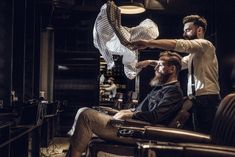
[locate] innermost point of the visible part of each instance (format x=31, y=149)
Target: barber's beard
x=191, y=37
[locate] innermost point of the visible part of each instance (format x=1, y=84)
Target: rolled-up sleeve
x=192, y=46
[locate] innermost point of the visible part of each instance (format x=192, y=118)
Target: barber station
x=117, y=78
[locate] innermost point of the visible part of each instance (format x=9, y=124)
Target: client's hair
x=172, y=58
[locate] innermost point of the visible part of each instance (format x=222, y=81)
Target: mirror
x=115, y=87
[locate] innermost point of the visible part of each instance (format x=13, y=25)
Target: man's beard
x=159, y=79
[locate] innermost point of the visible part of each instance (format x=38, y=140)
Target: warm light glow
x=131, y=9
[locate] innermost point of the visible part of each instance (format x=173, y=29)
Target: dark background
x=68, y=24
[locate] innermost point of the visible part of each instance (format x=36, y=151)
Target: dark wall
x=26, y=46
x=6, y=36
x=225, y=33
x=19, y=49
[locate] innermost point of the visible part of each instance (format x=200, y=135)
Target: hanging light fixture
x=131, y=7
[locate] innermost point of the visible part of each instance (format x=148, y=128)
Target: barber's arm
x=179, y=45
x=193, y=46
x=166, y=44
x=145, y=63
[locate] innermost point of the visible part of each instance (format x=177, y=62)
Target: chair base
x=99, y=148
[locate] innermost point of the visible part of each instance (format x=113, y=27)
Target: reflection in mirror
x=114, y=85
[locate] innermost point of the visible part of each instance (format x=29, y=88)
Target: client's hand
x=123, y=114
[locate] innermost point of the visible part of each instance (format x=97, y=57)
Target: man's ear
x=173, y=69
x=200, y=30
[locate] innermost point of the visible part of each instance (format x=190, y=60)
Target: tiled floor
x=57, y=148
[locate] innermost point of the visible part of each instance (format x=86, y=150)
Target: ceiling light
x=131, y=8
x=155, y=4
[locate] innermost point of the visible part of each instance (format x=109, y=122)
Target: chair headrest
x=223, y=130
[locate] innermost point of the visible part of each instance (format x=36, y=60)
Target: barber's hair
x=172, y=58
x=197, y=21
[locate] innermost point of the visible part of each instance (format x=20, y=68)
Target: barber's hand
x=145, y=63
x=123, y=114
x=140, y=44
x=142, y=64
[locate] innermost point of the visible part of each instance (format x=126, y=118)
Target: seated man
x=159, y=107
x=110, y=90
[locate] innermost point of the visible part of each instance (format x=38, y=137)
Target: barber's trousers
x=206, y=106
x=91, y=122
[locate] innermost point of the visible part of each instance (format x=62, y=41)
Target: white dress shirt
x=205, y=64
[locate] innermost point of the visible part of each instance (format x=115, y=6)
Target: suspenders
x=193, y=80
x=194, y=114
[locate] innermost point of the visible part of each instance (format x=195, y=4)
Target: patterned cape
x=111, y=38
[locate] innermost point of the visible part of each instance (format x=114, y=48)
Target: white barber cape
x=105, y=39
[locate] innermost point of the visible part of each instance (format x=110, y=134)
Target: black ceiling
x=64, y=9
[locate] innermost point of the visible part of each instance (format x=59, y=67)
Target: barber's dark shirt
x=161, y=104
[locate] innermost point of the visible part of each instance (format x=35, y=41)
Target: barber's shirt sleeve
x=192, y=46
x=168, y=105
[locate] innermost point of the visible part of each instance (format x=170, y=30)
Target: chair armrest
x=177, y=135
x=164, y=134
x=210, y=146
x=186, y=149
x=129, y=123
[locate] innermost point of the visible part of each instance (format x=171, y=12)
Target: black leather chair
x=219, y=143
x=179, y=120
x=167, y=149
x=222, y=133
x=109, y=147
x=158, y=148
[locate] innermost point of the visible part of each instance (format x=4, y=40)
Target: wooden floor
x=57, y=148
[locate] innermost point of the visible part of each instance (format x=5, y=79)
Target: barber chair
x=223, y=133
x=158, y=149
x=167, y=149
x=101, y=148
x=98, y=146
